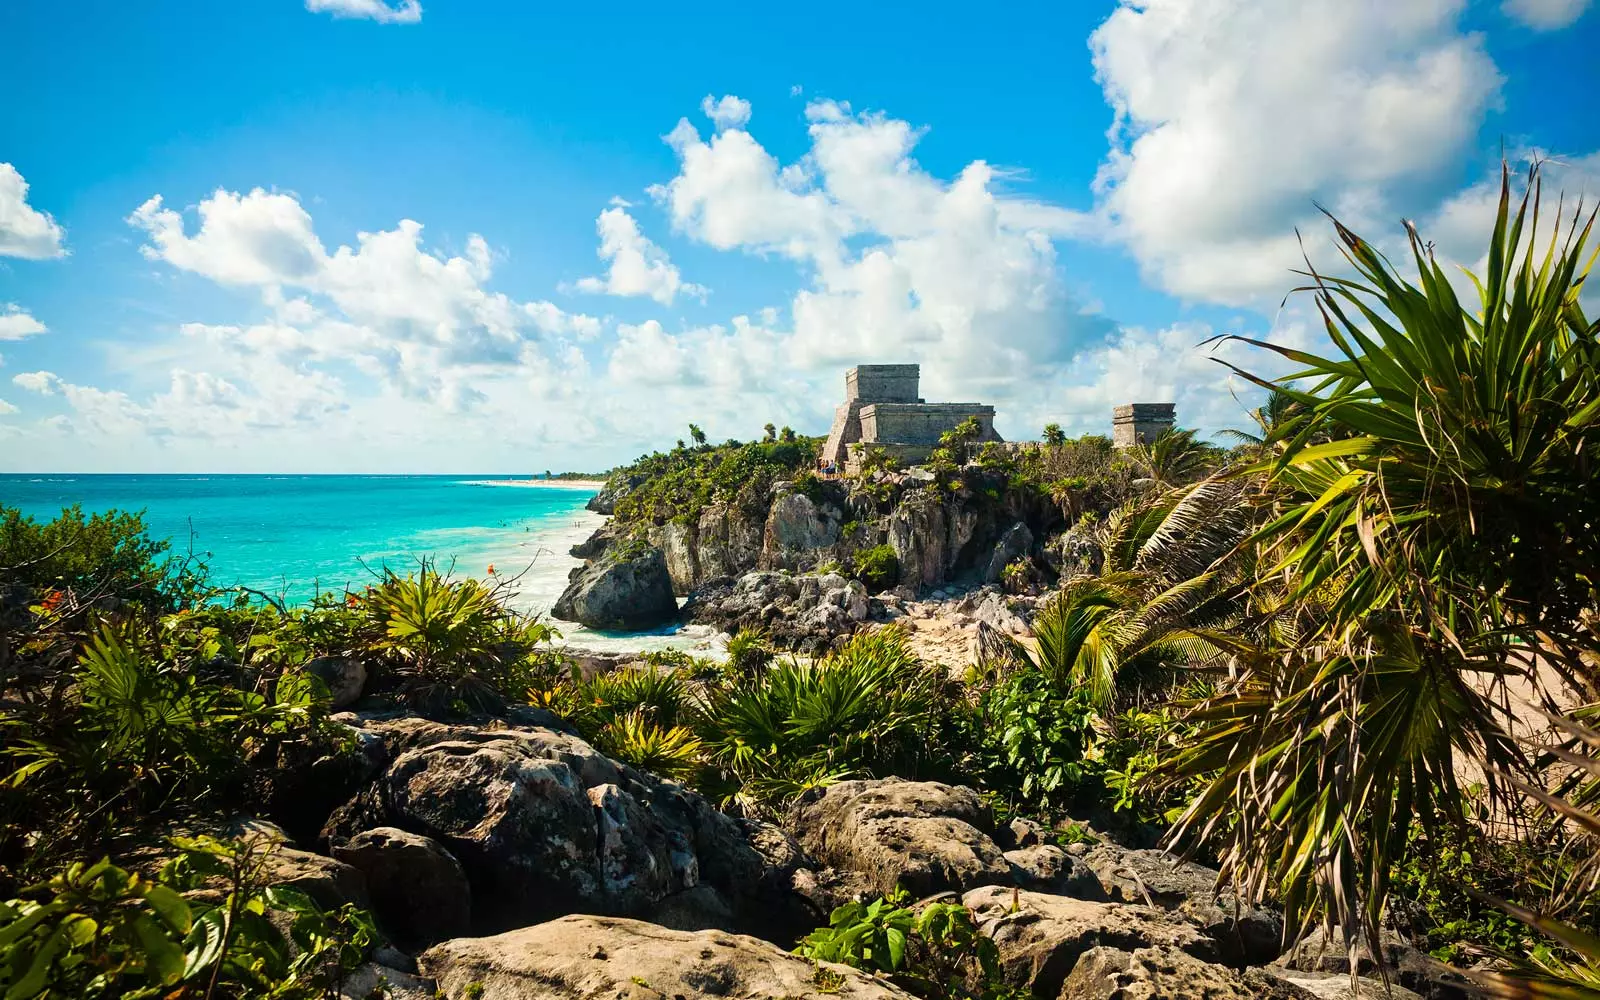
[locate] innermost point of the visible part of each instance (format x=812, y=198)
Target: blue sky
x=635, y=216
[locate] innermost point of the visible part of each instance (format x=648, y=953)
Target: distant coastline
x=571, y=484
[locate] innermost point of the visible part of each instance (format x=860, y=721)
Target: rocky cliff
x=937, y=534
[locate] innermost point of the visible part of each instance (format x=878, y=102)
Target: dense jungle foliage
x=677, y=484
x=1353, y=662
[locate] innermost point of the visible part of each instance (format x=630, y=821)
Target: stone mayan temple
x=881, y=408
x=1140, y=423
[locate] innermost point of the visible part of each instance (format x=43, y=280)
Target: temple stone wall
x=922, y=423
x=1140, y=423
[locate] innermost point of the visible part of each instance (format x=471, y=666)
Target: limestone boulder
x=543, y=825
x=588, y=958
x=419, y=890
x=728, y=543
x=1048, y=868
x=1166, y=973
x=1246, y=935
x=1014, y=543
x=1331, y=986
x=329, y=883
x=678, y=544
x=1323, y=952
x=920, y=533
x=605, y=501
x=810, y=612
x=1041, y=938
x=345, y=677
x=923, y=836
x=627, y=586
x=371, y=979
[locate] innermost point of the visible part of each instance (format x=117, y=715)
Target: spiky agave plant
x=1437, y=506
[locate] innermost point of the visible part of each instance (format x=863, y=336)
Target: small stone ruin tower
x=1141, y=423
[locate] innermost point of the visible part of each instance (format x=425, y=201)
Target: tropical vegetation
x=1353, y=662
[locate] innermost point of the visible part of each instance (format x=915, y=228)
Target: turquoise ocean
x=289, y=536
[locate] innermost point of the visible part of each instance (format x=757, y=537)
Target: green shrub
x=88, y=557
x=1033, y=746
x=142, y=738
x=677, y=485
x=936, y=952
x=454, y=644
x=636, y=738
x=878, y=568
x=869, y=709
x=99, y=932
x=749, y=652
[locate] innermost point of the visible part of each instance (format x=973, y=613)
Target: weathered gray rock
x=1166, y=973
x=419, y=891
x=626, y=586
x=1040, y=937
x=795, y=524
x=923, y=836
x=728, y=543
x=1332, y=986
x=1246, y=935
x=544, y=825
x=990, y=607
x=371, y=979
x=345, y=677
x=1014, y=543
x=1048, y=868
x=809, y=613
x=1320, y=951
x=676, y=540
x=588, y=958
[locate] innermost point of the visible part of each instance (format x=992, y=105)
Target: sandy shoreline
x=556, y=484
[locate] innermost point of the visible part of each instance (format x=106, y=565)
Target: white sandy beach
x=554, y=484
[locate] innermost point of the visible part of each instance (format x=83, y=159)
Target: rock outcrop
x=1042, y=937
x=419, y=891
x=585, y=958
x=1245, y=935
x=923, y=836
x=625, y=586
x=1165, y=973
x=1320, y=952
x=808, y=613
x=344, y=676
x=544, y=825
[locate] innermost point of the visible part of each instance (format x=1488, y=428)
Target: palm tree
x=1054, y=436
x=771, y=431
x=1175, y=457
x=1168, y=581
x=1432, y=532
x=1270, y=418
x=697, y=435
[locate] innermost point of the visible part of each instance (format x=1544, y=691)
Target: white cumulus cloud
x=638, y=266
x=1545, y=15
x=420, y=321
x=727, y=112
x=1234, y=116
x=24, y=230
x=403, y=12
x=16, y=323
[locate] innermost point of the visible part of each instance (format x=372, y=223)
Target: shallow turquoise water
x=289, y=535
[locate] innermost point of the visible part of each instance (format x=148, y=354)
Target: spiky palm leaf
x=1436, y=522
